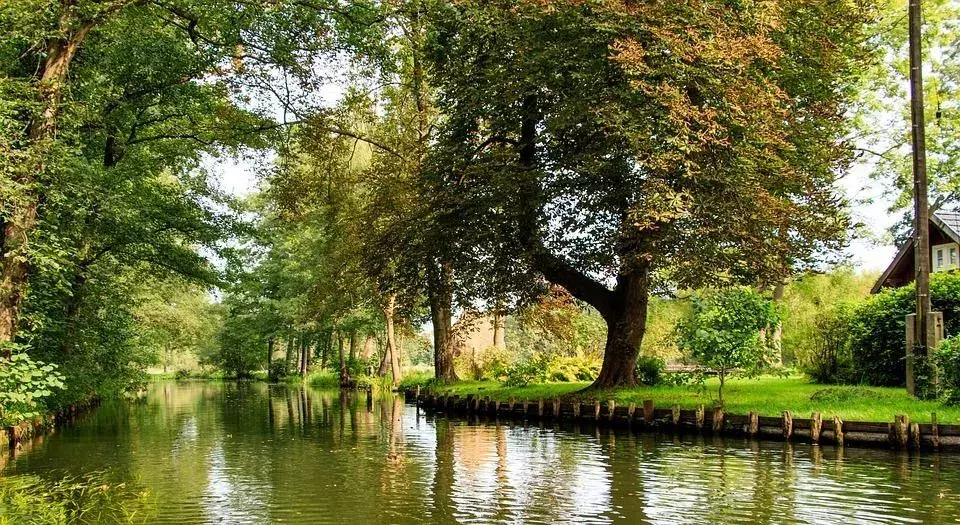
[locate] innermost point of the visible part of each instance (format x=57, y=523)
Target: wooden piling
x=718, y=419
x=611, y=408
x=899, y=434
x=648, y=411
x=417, y=398
x=753, y=424
x=675, y=415
x=787, y=425
x=838, y=430
x=816, y=423
x=915, y=435
x=700, y=417
x=540, y=407
x=576, y=410
x=596, y=410
x=631, y=410
x=934, y=431
x=556, y=408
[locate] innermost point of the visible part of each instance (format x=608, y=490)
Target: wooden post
x=838, y=430
x=899, y=434
x=556, y=407
x=934, y=431
x=753, y=424
x=510, y=407
x=576, y=410
x=675, y=415
x=418, y=396
x=648, y=411
x=915, y=435
x=540, y=407
x=700, y=417
x=596, y=410
x=787, y=425
x=816, y=423
x=631, y=409
x=611, y=408
x=526, y=407
x=718, y=419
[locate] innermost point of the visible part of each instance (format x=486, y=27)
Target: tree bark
x=344, y=373
x=626, y=324
x=440, y=291
x=391, y=341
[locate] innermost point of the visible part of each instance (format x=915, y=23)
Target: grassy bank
x=768, y=396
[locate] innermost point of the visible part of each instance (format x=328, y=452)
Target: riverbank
x=767, y=396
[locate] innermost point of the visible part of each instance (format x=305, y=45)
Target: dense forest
x=575, y=170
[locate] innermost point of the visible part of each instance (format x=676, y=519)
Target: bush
x=877, y=328
x=278, y=369
x=181, y=374
x=947, y=359
x=522, y=373
x=650, y=370
x=829, y=359
x=571, y=368
x=24, y=384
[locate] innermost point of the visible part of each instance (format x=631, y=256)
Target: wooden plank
x=865, y=426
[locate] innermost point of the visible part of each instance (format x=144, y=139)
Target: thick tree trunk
x=367, y=348
x=441, y=313
x=14, y=260
x=626, y=324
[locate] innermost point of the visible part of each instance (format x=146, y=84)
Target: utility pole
x=921, y=211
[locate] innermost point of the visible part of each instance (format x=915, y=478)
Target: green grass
x=768, y=396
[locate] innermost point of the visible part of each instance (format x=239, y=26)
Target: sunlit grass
x=768, y=396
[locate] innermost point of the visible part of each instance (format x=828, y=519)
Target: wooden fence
x=899, y=433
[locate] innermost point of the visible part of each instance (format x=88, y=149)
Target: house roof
x=946, y=221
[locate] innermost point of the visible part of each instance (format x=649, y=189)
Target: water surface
x=249, y=453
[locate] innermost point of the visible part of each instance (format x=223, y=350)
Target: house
x=944, y=252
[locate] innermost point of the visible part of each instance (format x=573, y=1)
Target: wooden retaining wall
x=899, y=433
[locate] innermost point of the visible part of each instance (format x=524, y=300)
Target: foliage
x=947, y=360
x=526, y=371
x=829, y=359
x=877, y=328
x=24, y=384
x=277, y=371
x=729, y=331
x=806, y=297
x=650, y=370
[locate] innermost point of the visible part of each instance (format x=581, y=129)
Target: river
x=207, y=452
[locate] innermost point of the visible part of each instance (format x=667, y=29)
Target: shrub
x=947, y=359
x=181, y=373
x=650, y=370
x=278, y=369
x=522, y=373
x=570, y=368
x=829, y=359
x=877, y=328
x=24, y=384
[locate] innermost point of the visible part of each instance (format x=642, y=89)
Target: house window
x=939, y=258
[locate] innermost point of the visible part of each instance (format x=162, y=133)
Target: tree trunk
x=14, y=253
x=344, y=373
x=626, y=324
x=269, y=354
x=441, y=299
x=288, y=358
x=392, y=341
x=353, y=346
x=304, y=356
x=367, y=348
x=498, y=331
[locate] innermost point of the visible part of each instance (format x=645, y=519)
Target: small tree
x=730, y=331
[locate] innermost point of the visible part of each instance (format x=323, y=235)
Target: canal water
x=248, y=453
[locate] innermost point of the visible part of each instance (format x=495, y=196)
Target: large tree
x=620, y=147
